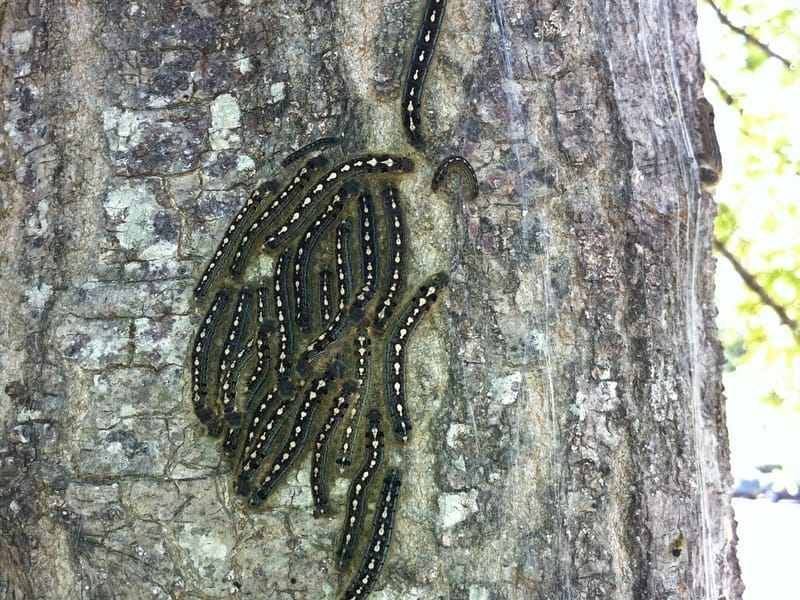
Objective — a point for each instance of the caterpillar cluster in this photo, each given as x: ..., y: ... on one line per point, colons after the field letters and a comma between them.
x: 285, y: 367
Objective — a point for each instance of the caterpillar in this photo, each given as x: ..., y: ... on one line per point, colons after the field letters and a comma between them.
x: 370, y: 163
x: 394, y: 366
x: 261, y: 194
x: 459, y: 162
x: 378, y: 549
x: 200, y: 355
x: 356, y: 495
x: 298, y: 434
x: 394, y: 279
x: 418, y: 69
x: 284, y: 317
x: 362, y: 372
x: 259, y: 439
x: 325, y: 301
x: 369, y: 259
x: 302, y: 260
x: 309, y: 148
x: 319, y: 488
x: 233, y: 341
x: 259, y: 226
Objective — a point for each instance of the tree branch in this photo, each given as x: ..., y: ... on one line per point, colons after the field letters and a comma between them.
x: 751, y: 282
x: 749, y: 37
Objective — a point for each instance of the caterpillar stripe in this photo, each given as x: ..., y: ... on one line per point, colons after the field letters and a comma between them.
x: 357, y: 494
x: 200, y: 356
x: 325, y: 301
x: 284, y: 316
x: 260, y: 225
x: 394, y: 366
x: 319, y: 486
x: 215, y: 266
x: 378, y: 549
x: 363, y: 355
x: 369, y: 257
x: 297, y: 437
x: 418, y: 69
x: 302, y: 259
x: 463, y: 165
x: 309, y: 148
x: 394, y: 277
x: 370, y: 163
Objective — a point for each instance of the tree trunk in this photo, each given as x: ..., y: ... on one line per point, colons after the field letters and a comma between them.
x: 569, y: 433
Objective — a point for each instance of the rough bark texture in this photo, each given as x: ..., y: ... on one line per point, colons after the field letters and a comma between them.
x: 570, y: 437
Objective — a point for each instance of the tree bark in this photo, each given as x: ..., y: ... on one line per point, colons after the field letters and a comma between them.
x: 570, y: 436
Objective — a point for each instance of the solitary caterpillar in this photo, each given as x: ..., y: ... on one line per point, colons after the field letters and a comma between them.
x: 394, y: 366
x: 456, y: 162
x: 309, y: 148
x: 319, y: 486
x: 356, y: 495
x: 394, y: 277
x: 418, y: 69
x: 200, y: 356
x: 259, y: 226
x: 378, y: 548
x: 256, y: 199
x: 370, y: 163
x: 297, y: 435
x: 362, y: 372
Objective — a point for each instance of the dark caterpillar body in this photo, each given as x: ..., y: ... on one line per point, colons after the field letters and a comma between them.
x: 363, y: 354
x: 260, y: 436
x: 370, y: 163
x: 297, y: 436
x: 356, y: 496
x: 319, y: 486
x: 309, y: 148
x: 456, y: 162
x: 325, y: 300
x: 215, y: 266
x: 395, y: 282
x: 378, y: 549
x: 418, y: 69
x: 369, y: 255
x: 260, y: 226
x: 302, y: 260
x: 201, y: 350
x: 283, y: 315
x: 394, y: 366
x: 233, y: 343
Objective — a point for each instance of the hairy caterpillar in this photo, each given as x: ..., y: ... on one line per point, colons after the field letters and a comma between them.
x: 309, y: 148
x: 254, y: 201
x: 302, y: 260
x: 200, y: 356
x: 362, y: 372
x: 284, y: 317
x: 233, y: 341
x: 369, y: 258
x: 356, y: 495
x: 394, y: 278
x: 394, y: 366
x: 297, y: 436
x: 319, y: 487
x: 259, y: 439
x: 259, y: 226
x: 325, y: 302
x: 455, y: 162
x: 418, y: 69
x: 378, y: 548
x: 370, y: 163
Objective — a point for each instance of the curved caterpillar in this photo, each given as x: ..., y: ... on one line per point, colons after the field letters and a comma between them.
x: 394, y: 279
x: 297, y: 436
x: 319, y: 487
x: 369, y: 257
x: 254, y: 201
x: 362, y: 371
x: 418, y: 69
x: 357, y: 494
x: 259, y: 226
x: 302, y: 258
x: 200, y: 356
x: 370, y: 163
x: 284, y: 317
x: 378, y: 548
x: 463, y: 164
x: 394, y: 366
x: 309, y: 148
x: 325, y: 302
